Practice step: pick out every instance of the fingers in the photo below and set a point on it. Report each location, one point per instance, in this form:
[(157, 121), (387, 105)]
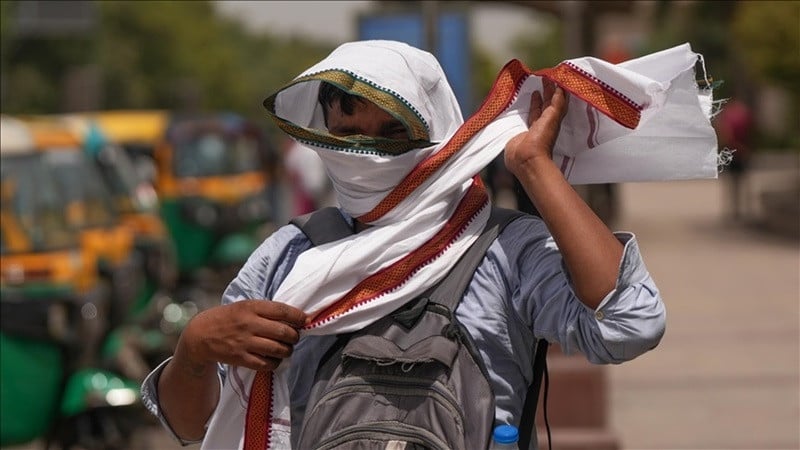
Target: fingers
[(266, 352), (256, 334), (265, 348), (258, 362), (551, 95), (269, 348), (280, 312), (549, 88), (277, 331), (553, 98), (268, 342), (560, 101), (536, 107)]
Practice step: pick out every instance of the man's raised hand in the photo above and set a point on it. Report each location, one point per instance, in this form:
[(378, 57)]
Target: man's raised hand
[(544, 121)]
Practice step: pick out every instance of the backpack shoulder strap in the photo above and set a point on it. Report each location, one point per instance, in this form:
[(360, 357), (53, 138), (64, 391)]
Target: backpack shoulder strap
[(527, 423), (450, 290), (323, 225)]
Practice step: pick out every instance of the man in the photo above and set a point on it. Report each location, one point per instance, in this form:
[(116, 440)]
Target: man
[(386, 123), (735, 126)]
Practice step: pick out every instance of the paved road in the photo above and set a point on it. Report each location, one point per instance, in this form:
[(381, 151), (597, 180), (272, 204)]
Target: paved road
[(725, 375)]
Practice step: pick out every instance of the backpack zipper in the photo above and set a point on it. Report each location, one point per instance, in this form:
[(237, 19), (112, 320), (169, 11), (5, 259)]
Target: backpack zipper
[(397, 430)]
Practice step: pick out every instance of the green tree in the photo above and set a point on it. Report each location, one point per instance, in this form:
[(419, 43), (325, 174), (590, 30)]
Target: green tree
[(766, 40), (541, 50), (767, 35), (484, 71), (153, 54), (537, 51), (269, 63), (746, 44), (179, 54), (170, 55), (35, 66), (706, 27)]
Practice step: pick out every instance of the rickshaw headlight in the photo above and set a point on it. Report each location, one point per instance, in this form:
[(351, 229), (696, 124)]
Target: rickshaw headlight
[(201, 213), (254, 209), (14, 274), (205, 215), (120, 397)]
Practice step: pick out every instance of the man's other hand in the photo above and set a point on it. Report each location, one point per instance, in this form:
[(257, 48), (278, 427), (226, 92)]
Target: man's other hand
[(256, 334)]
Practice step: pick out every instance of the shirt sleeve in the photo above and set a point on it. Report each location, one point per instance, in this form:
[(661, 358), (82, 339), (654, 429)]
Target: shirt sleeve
[(629, 321), (150, 399)]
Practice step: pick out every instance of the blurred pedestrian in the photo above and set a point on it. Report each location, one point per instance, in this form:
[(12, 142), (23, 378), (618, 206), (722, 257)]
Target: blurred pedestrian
[(387, 126), (735, 133)]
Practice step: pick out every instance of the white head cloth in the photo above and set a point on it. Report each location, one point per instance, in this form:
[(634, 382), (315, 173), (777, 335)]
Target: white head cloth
[(426, 203)]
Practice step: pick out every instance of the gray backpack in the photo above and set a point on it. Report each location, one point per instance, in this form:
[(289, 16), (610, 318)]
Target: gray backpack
[(411, 380)]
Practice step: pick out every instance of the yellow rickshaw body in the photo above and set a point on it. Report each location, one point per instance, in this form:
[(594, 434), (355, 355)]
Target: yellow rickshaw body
[(135, 126), (226, 189), (59, 258), (112, 244), (71, 267), (63, 261)]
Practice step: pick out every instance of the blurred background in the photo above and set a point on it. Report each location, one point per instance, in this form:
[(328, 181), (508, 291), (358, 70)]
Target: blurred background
[(139, 171)]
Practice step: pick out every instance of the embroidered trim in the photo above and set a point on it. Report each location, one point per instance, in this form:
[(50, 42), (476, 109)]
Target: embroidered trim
[(387, 99), (599, 94), (259, 412), (605, 85), (365, 144), (396, 96)]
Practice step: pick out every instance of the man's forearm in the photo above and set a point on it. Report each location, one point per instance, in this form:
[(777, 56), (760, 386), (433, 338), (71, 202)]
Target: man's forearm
[(188, 393), (591, 252)]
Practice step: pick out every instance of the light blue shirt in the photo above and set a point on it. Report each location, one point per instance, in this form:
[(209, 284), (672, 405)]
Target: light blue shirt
[(520, 292)]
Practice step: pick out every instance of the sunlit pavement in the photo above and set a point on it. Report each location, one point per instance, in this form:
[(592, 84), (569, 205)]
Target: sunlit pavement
[(725, 375)]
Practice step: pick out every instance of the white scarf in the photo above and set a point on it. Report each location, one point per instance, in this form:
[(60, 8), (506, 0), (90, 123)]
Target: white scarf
[(427, 204)]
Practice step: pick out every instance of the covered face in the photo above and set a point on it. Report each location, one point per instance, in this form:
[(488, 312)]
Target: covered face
[(405, 82)]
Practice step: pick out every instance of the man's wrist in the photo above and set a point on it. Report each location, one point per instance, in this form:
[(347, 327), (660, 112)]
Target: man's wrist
[(534, 169), (193, 368), (188, 363)]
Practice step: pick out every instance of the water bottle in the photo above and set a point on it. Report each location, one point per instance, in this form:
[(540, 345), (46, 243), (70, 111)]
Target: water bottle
[(505, 437)]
